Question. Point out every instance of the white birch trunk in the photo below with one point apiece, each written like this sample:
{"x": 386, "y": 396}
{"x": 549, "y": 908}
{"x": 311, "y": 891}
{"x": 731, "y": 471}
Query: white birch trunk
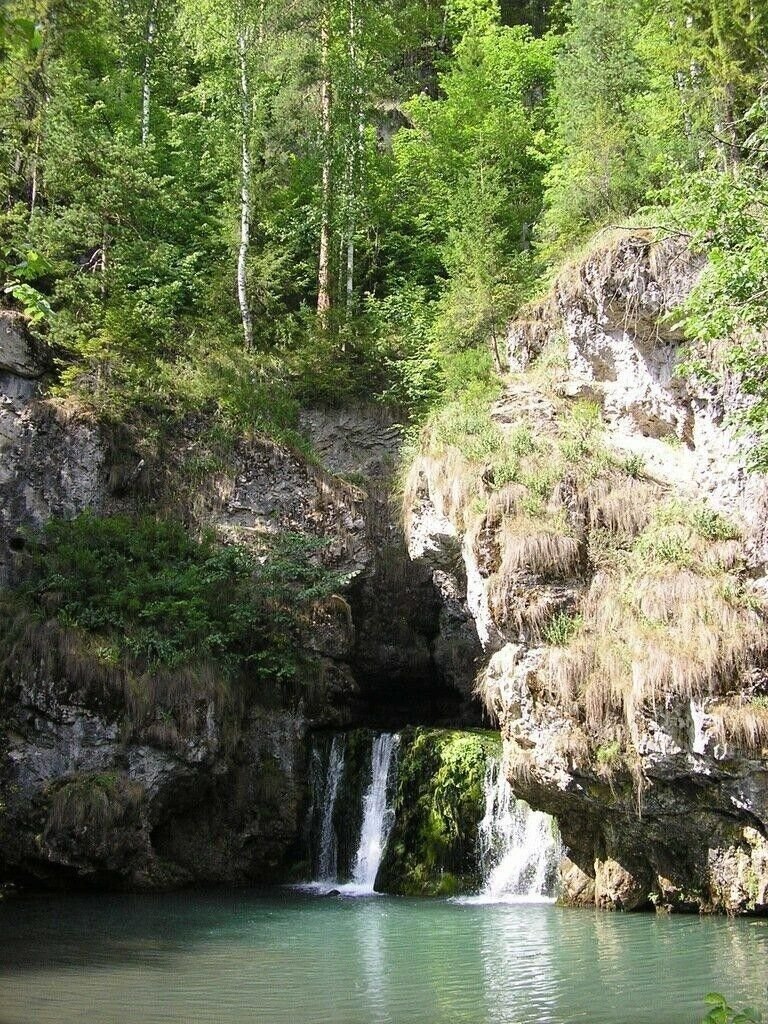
{"x": 245, "y": 191}
{"x": 324, "y": 262}
{"x": 146, "y": 85}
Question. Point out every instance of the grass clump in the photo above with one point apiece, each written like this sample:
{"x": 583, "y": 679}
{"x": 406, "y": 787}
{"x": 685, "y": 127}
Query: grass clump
{"x": 561, "y": 627}
{"x": 95, "y": 801}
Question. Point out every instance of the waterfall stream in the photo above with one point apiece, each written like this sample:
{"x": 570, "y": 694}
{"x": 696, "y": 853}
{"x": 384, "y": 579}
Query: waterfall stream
{"x": 329, "y": 781}
{"x": 328, "y": 852}
{"x": 378, "y": 816}
{"x": 519, "y": 848}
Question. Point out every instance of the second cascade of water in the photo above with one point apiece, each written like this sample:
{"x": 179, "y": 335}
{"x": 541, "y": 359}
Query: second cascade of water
{"x": 378, "y": 816}
{"x": 519, "y": 848}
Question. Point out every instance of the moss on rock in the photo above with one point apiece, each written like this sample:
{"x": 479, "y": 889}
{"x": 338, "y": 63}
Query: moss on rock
{"x": 438, "y": 803}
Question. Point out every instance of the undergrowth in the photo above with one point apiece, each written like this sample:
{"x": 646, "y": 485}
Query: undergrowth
{"x": 138, "y": 613}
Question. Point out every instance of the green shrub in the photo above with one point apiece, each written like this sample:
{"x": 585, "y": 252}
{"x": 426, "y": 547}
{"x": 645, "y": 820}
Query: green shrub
{"x": 721, "y": 1013}
{"x": 146, "y": 590}
{"x": 561, "y": 628}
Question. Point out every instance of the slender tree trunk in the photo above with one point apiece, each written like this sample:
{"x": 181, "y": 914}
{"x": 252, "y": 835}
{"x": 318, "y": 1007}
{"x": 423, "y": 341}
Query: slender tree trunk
{"x": 354, "y": 155}
{"x": 726, "y": 102}
{"x": 324, "y": 265}
{"x": 245, "y": 191}
{"x": 146, "y": 85}
{"x": 33, "y": 188}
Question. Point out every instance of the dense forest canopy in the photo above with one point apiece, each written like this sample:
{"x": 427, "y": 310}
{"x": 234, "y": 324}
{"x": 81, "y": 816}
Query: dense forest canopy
{"x": 239, "y": 206}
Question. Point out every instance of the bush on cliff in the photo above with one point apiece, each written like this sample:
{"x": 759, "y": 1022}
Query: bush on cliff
{"x": 145, "y": 591}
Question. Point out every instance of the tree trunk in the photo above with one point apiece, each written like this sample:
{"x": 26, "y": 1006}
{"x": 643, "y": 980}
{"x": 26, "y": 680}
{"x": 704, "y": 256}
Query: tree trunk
{"x": 324, "y": 265}
{"x": 354, "y": 155}
{"x": 245, "y": 191}
{"x": 146, "y": 85}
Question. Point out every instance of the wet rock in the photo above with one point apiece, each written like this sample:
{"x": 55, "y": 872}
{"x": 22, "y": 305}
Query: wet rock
{"x": 617, "y": 889}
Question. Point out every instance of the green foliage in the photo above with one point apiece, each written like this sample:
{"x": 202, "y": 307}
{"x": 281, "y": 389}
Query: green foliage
{"x": 721, "y": 1013}
{"x": 451, "y": 130}
{"x": 146, "y": 591}
{"x": 561, "y": 628}
{"x": 609, "y": 754}
{"x": 730, "y": 301}
{"x": 633, "y": 466}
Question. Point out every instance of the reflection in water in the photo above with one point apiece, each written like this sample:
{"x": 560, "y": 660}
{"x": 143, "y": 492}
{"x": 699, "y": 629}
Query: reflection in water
{"x": 518, "y": 967}
{"x": 370, "y": 929}
{"x": 287, "y": 958}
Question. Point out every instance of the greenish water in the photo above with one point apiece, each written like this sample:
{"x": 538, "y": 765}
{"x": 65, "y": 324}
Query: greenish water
{"x": 291, "y": 958}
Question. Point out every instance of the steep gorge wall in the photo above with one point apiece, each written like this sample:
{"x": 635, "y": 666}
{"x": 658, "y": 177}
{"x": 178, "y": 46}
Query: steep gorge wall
{"x": 611, "y": 553}
{"x": 197, "y": 784}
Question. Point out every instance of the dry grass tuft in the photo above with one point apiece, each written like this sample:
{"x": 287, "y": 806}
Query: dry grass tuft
{"x": 669, "y": 632}
{"x": 519, "y": 765}
{"x": 744, "y": 726}
{"x": 94, "y": 801}
{"x": 624, "y": 507}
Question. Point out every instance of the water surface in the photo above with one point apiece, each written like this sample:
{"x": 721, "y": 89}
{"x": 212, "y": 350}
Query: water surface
{"x": 291, "y": 958}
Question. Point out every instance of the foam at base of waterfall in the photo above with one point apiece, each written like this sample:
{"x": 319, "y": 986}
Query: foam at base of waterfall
{"x": 519, "y": 848}
{"x": 346, "y": 889}
{"x": 484, "y": 899}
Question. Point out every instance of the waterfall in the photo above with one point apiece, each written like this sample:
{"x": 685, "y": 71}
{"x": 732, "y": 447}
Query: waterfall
{"x": 373, "y": 816}
{"x": 378, "y": 816}
{"x": 519, "y": 848}
{"x": 328, "y": 848}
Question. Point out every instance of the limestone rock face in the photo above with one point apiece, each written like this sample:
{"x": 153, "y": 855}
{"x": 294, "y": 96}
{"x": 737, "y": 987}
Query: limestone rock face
{"x": 617, "y": 313}
{"x": 661, "y": 798}
{"x": 18, "y": 355}
{"x": 86, "y": 794}
{"x": 83, "y": 805}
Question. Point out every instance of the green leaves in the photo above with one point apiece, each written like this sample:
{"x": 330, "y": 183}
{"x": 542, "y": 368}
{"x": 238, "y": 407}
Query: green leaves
{"x": 19, "y": 269}
{"x": 721, "y": 1013}
{"x": 148, "y": 591}
{"x": 729, "y": 216}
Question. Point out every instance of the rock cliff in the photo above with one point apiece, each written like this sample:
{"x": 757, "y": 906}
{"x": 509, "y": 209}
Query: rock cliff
{"x": 180, "y": 780}
{"x": 600, "y": 531}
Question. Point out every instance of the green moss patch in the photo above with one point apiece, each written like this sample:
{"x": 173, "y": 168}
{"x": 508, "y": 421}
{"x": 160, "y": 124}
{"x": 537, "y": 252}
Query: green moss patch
{"x": 439, "y": 801}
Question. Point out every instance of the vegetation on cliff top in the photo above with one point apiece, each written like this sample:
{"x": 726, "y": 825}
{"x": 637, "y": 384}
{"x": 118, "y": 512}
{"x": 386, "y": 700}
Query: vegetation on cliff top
{"x": 237, "y": 209}
{"x": 245, "y": 207}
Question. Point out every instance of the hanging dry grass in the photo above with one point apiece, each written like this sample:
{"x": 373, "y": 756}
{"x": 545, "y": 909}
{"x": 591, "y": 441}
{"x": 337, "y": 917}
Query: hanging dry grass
{"x": 94, "y": 801}
{"x": 505, "y": 503}
{"x": 744, "y": 726}
{"x": 452, "y": 483}
{"x": 541, "y": 553}
{"x": 642, "y": 640}
{"x": 519, "y": 765}
{"x": 164, "y": 706}
{"x": 624, "y": 506}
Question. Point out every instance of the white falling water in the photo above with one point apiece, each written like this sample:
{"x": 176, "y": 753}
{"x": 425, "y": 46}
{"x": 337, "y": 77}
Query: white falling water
{"x": 378, "y": 818}
{"x": 519, "y": 848}
{"x": 328, "y": 850}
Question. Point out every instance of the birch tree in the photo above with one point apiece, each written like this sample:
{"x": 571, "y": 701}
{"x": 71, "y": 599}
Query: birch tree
{"x": 146, "y": 78}
{"x": 326, "y": 134}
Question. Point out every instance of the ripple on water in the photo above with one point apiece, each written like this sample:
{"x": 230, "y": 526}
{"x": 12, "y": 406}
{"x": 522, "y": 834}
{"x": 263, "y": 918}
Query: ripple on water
{"x": 292, "y": 958}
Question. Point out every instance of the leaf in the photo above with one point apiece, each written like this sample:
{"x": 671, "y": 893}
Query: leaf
{"x": 717, "y": 1015}
{"x": 748, "y": 1015}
